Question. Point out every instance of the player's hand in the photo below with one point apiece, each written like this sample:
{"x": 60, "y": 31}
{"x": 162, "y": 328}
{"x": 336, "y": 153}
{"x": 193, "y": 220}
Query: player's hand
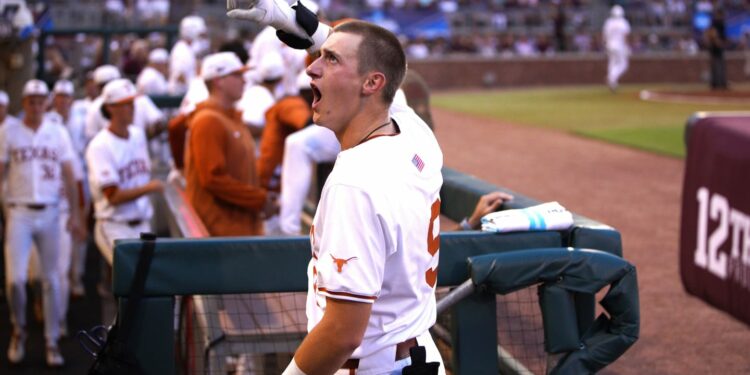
{"x": 76, "y": 227}
{"x": 488, "y": 203}
{"x": 296, "y": 26}
{"x": 271, "y": 207}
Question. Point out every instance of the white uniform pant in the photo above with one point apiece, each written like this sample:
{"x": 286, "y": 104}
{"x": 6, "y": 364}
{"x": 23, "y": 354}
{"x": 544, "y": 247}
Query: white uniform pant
{"x": 617, "y": 64}
{"x": 106, "y": 232}
{"x": 24, "y": 226}
{"x": 66, "y": 250}
{"x": 313, "y": 144}
{"x": 388, "y": 354}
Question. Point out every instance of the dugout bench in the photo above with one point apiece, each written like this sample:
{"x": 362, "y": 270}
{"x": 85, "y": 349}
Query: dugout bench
{"x": 278, "y": 264}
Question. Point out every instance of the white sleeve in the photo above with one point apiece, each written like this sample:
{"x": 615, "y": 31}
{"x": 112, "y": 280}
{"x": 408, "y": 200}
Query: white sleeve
{"x": 102, "y": 171}
{"x": 150, "y": 113}
{"x": 352, "y": 255}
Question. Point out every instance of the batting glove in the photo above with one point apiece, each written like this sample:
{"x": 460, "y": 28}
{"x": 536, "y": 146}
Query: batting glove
{"x": 296, "y": 26}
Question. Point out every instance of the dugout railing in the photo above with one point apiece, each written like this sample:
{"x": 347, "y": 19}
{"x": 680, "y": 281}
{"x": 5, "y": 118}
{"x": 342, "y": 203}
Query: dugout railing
{"x": 278, "y": 264}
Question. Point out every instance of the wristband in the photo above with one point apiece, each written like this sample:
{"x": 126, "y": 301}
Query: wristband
{"x": 465, "y": 224}
{"x": 293, "y": 369}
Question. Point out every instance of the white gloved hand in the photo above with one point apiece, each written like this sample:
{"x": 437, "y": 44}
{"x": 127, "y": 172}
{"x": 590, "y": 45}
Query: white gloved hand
{"x": 275, "y": 13}
{"x": 285, "y": 19}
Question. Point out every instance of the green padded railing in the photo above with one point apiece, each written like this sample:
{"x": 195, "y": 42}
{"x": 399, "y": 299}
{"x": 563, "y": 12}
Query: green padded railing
{"x": 278, "y": 264}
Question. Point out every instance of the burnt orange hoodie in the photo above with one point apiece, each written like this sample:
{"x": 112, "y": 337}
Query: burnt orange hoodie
{"x": 222, "y": 183}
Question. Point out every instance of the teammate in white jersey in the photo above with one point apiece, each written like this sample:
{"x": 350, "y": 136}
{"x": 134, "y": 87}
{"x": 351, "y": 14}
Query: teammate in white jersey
{"x": 153, "y": 78}
{"x": 120, "y": 172}
{"x": 5, "y": 117}
{"x": 37, "y": 156}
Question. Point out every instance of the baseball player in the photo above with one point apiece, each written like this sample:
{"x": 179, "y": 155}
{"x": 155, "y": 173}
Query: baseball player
{"x": 615, "y": 32}
{"x": 147, "y": 115}
{"x": 152, "y": 79}
{"x": 120, "y": 171}
{"x": 37, "y": 156}
{"x": 5, "y": 117}
{"x": 259, "y": 97}
{"x": 70, "y": 247}
{"x": 375, "y": 236}
{"x": 183, "y": 59}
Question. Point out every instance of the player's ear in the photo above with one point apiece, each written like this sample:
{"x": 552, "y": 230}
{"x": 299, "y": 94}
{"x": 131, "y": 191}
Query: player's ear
{"x": 374, "y": 83}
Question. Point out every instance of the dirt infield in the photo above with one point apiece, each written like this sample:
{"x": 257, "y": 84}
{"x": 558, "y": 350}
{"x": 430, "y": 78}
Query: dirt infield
{"x": 636, "y": 192}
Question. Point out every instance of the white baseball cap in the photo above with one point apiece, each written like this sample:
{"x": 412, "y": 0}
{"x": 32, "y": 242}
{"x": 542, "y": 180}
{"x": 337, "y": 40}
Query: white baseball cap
{"x": 4, "y": 99}
{"x": 221, "y": 64}
{"x": 63, "y": 87}
{"x": 106, "y": 73}
{"x": 35, "y": 87}
{"x": 118, "y": 91}
{"x": 271, "y": 66}
{"x": 191, "y": 27}
{"x": 158, "y": 56}
{"x": 303, "y": 81}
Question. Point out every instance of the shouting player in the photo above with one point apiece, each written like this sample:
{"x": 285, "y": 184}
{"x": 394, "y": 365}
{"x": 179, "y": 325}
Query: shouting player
{"x": 375, "y": 236}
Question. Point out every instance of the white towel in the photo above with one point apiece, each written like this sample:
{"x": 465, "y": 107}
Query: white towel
{"x": 546, "y": 216}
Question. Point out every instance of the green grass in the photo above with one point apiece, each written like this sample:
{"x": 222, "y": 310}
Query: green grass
{"x": 590, "y": 111}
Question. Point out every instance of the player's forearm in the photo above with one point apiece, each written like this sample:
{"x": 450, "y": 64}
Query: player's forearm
{"x": 121, "y": 196}
{"x": 71, "y": 190}
{"x": 313, "y": 360}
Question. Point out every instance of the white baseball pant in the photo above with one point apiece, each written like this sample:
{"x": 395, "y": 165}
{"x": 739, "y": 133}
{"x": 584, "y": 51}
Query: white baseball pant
{"x": 617, "y": 64}
{"x": 106, "y": 232}
{"x": 65, "y": 251}
{"x": 303, "y": 148}
{"x": 24, "y": 226}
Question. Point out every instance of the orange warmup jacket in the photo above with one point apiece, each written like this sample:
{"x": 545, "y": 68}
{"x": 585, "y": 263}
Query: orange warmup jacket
{"x": 288, "y": 115}
{"x": 222, "y": 184}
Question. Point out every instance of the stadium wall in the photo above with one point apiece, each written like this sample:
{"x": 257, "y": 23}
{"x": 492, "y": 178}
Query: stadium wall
{"x": 465, "y": 72}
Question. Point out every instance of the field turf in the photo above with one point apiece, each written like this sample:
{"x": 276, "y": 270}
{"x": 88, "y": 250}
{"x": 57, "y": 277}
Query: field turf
{"x": 591, "y": 111}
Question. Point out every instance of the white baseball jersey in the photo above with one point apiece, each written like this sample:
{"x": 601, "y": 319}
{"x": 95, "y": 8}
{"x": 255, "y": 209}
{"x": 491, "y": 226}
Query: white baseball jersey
{"x": 255, "y": 102}
{"x": 151, "y": 82}
{"x": 294, "y": 59}
{"x": 75, "y": 127}
{"x": 75, "y": 131}
{"x": 124, "y": 163}
{"x": 34, "y": 161}
{"x": 375, "y": 235}
{"x": 182, "y": 63}
{"x": 615, "y": 32}
{"x": 145, "y": 114}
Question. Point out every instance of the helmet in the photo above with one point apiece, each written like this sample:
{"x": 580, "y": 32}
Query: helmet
{"x": 191, "y": 27}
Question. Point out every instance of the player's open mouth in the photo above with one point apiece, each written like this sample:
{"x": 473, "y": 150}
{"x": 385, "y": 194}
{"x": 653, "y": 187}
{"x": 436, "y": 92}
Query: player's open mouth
{"x": 316, "y": 95}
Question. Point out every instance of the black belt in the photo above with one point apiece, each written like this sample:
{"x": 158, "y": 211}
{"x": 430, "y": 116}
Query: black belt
{"x": 130, "y": 223}
{"x": 31, "y": 206}
{"x": 402, "y": 351}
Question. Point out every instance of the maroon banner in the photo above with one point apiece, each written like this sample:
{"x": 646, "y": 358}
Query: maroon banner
{"x": 715, "y": 228}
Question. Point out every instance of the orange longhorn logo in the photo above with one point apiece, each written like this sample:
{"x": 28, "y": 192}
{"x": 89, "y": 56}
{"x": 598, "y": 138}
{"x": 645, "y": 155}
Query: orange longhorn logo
{"x": 340, "y": 262}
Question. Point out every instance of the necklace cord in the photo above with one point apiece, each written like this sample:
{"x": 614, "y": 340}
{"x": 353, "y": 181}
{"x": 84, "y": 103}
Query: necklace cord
{"x": 373, "y": 131}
